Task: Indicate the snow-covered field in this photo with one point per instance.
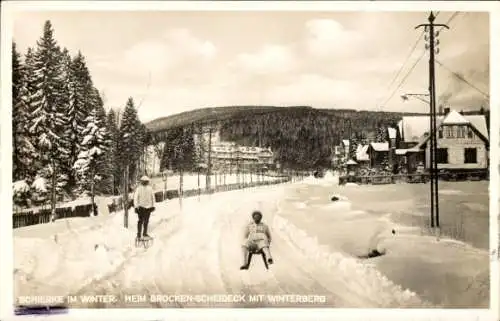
(316, 247)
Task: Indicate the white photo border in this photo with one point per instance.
(9, 8)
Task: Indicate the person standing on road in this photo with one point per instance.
(144, 203)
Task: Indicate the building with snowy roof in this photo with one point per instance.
(463, 141)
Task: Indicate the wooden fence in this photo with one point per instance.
(414, 178)
(27, 217)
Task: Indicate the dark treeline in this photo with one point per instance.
(63, 139)
(303, 138)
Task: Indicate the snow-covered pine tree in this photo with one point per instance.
(24, 154)
(382, 134)
(64, 125)
(353, 146)
(30, 87)
(104, 170)
(80, 103)
(48, 116)
(383, 137)
(92, 154)
(143, 139)
(129, 145)
(112, 127)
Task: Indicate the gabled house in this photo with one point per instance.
(362, 156)
(346, 145)
(462, 140)
(378, 154)
(340, 153)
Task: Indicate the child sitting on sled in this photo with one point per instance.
(257, 237)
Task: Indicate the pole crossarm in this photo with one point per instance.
(418, 96)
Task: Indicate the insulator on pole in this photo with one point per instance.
(426, 47)
(426, 38)
(426, 28)
(437, 50)
(437, 33)
(437, 42)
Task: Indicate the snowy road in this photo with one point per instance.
(316, 247)
(198, 253)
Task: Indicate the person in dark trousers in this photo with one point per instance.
(144, 203)
(257, 237)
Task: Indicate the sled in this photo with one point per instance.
(144, 242)
(261, 252)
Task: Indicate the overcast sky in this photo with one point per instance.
(179, 61)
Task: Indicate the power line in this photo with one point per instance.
(404, 79)
(460, 77)
(453, 16)
(406, 60)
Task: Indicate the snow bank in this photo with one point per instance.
(61, 264)
(364, 282)
(445, 272)
(68, 259)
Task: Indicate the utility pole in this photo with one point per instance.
(429, 27)
(125, 196)
(53, 196)
(209, 161)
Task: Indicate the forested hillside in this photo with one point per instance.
(301, 137)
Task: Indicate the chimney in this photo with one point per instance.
(446, 110)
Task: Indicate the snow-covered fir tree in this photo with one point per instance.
(353, 146)
(382, 134)
(24, 154)
(112, 126)
(92, 153)
(103, 165)
(48, 119)
(64, 125)
(129, 146)
(80, 104)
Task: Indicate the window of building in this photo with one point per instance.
(440, 132)
(470, 155)
(449, 132)
(442, 156)
(470, 133)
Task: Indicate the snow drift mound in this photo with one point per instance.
(362, 285)
(331, 177)
(66, 262)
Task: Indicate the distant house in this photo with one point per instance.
(362, 157)
(340, 153)
(378, 153)
(462, 141)
(346, 145)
